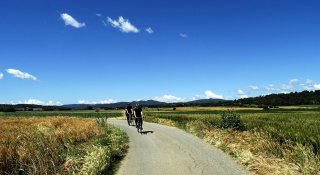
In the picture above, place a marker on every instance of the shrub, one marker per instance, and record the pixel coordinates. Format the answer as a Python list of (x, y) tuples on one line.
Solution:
[(232, 120)]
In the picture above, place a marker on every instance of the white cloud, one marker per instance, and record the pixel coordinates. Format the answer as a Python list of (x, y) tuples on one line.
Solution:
[(98, 14), (33, 101), (286, 87), (241, 94), (310, 85), (19, 74), (107, 101), (270, 87), (316, 86), (123, 24), (149, 30), (1, 75), (210, 94), (291, 86), (69, 20), (39, 102), (255, 88), (309, 82), (183, 35), (294, 82), (169, 99)]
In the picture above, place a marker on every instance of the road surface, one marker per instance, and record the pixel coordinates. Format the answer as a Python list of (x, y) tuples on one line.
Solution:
[(164, 150)]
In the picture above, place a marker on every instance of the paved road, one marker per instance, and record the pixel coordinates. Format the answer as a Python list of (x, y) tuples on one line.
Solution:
[(171, 151)]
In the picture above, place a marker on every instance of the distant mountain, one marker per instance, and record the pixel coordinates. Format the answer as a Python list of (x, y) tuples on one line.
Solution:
[(206, 101), (149, 103)]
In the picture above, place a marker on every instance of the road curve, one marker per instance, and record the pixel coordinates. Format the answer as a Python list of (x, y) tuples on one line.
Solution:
[(164, 150)]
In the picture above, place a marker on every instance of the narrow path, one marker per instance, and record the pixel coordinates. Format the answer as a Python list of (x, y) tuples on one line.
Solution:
[(164, 150)]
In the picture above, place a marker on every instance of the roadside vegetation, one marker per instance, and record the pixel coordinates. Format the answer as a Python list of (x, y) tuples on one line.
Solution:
[(277, 141), (59, 145)]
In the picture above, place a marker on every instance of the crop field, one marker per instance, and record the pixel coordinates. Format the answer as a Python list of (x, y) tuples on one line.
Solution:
[(285, 140), (57, 145), (296, 124), (64, 139), (78, 113)]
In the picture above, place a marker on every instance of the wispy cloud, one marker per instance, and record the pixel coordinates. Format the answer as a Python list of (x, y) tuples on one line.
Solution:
[(19, 74), (210, 94), (123, 24), (291, 86), (183, 35), (293, 81), (254, 88), (149, 30), (241, 94), (69, 20), (98, 14), (172, 99), (107, 101), (38, 102), (1, 75), (316, 86), (169, 99)]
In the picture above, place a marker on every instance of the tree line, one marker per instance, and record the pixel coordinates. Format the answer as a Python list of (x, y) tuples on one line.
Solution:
[(289, 99)]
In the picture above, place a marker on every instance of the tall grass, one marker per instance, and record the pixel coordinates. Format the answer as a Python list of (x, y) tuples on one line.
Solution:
[(85, 114), (45, 145)]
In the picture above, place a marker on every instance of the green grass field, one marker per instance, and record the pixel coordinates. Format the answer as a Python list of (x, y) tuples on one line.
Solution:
[(296, 124), (300, 124)]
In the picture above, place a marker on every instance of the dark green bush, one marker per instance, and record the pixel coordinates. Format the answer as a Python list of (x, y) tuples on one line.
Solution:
[(232, 120)]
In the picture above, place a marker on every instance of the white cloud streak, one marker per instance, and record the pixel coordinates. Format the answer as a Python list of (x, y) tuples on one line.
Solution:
[(316, 86), (254, 88), (107, 101), (169, 99), (1, 76), (123, 24), (69, 20), (183, 35), (210, 94), (294, 82), (241, 94), (149, 30), (19, 74), (38, 102)]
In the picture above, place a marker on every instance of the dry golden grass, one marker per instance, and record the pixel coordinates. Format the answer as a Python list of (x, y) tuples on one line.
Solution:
[(37, 144)]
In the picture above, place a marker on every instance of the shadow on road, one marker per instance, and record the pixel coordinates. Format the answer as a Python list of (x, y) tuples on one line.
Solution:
[(146, 132)]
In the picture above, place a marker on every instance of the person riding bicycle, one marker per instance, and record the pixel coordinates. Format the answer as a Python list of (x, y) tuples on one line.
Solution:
[(139, 116), (129, 113)]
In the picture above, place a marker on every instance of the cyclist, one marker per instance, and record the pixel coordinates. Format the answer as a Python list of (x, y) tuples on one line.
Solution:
[(129, 113), (139, 116)]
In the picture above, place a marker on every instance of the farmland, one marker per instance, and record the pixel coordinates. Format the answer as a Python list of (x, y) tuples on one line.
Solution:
[(290, 135), (58, 145), (283, 140), (79, 113)]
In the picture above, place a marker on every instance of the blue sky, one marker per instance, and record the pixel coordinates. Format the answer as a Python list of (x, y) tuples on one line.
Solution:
[(61, 52)]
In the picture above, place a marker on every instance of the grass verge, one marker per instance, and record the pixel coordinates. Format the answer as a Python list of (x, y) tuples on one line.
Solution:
[(256, 150)]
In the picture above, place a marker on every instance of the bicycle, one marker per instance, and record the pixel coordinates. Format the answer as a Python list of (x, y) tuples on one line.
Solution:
[(139, 124), (130, 119)]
